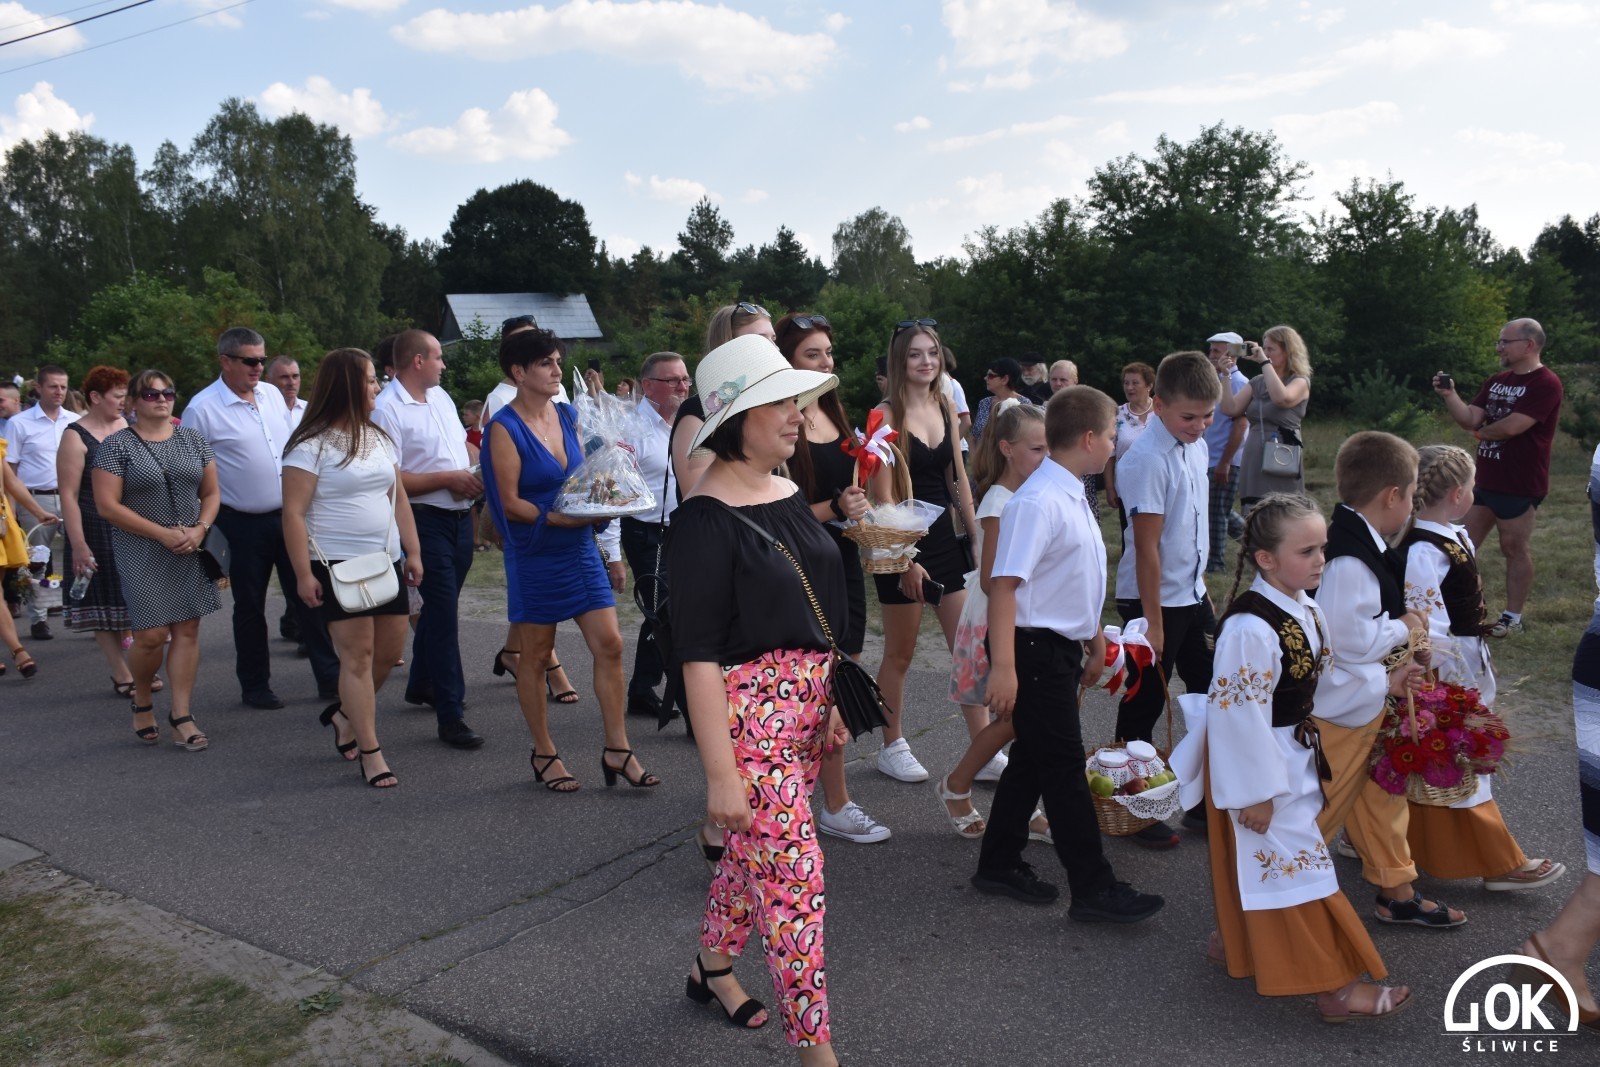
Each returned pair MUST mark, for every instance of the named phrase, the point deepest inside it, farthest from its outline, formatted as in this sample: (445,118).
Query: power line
(58,14)
(77,22)
(129,37)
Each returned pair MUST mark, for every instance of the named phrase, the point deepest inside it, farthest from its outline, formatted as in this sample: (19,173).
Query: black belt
(236,511)
(44,492)
(460,512)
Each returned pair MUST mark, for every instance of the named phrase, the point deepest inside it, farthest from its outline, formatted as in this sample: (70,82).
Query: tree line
(258,222)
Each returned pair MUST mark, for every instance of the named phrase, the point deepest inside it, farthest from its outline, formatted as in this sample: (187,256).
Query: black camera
(1443,381)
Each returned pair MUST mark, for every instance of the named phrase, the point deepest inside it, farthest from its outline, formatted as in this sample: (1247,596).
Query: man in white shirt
(32,438)
(243,419)
(423,422)
(284,372)
(10,403)
(1224,451)
(664,384)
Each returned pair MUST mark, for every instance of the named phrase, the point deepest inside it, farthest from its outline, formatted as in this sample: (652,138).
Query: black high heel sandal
(149,735)
(646,780)
(377,780)
(195,742)
(699,991)
(500,669)
(555,785)
(570,696)
(326,719)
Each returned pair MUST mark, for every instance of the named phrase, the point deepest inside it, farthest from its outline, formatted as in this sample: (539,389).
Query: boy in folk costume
(1363,594)
(1280,914)
(1469,839)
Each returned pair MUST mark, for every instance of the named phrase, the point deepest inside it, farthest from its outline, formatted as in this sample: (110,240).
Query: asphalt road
(557,929)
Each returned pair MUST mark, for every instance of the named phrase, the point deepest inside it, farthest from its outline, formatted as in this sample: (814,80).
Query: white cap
(1228,336)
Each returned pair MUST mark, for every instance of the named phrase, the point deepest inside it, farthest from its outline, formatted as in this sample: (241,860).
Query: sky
(953,115)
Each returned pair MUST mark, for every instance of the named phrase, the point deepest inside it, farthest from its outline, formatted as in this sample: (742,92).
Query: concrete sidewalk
(557,929)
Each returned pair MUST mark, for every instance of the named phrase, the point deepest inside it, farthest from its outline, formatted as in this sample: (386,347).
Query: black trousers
(256,549)
(1047,761)
(1189,635)
(641,542)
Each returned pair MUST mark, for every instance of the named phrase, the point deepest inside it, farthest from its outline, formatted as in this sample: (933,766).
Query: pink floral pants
(771,874)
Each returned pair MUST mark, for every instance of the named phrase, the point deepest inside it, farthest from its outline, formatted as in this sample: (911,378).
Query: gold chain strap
(827,632)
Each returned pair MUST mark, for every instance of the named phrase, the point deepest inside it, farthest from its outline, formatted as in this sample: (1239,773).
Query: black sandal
(149,735)
(699,991)
(646,780)
(555,785)
(195,742)
(377,780)
(326,719)
(25,663)
(1410,912)
(500,668)
(122,689)
(570,696)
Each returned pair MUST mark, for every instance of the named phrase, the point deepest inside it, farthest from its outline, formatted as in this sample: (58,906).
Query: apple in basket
(1136,786)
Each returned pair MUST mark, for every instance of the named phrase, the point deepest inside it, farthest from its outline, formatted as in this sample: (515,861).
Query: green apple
(1101,786)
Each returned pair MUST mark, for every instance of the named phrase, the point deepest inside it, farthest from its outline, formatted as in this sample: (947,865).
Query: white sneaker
(993,769)
(897,762)
(850,823)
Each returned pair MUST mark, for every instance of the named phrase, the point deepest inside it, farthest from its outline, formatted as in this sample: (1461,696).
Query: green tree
(1577,248)
(412,290)
(781,272)
(702,256)
(149,322)
(863,324)
(873,251)
(518,238)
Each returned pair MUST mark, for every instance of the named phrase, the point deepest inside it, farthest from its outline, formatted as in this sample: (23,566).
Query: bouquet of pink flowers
(1433,744)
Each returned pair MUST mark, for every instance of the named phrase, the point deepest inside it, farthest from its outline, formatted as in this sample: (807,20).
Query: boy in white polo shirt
(1161,577)
(1047,588)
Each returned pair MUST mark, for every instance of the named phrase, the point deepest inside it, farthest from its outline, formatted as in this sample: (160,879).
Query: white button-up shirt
(1049,539)
(248,439)
(293,415)
(1162,476)
(32,439)
(429,435)
(652,451)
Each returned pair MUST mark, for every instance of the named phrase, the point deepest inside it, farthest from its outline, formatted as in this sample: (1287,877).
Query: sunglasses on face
(254,362)
(151,396)
(906,324)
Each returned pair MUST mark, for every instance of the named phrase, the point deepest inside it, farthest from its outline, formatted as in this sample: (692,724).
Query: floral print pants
(771,874)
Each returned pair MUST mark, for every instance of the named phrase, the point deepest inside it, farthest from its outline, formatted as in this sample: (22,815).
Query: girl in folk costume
(1281,916)
(1468,839)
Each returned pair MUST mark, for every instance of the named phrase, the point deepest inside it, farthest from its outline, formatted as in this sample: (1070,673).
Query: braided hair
(1440,469)
(1265,526)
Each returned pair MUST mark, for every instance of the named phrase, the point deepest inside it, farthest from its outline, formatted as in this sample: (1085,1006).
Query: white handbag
(363,583)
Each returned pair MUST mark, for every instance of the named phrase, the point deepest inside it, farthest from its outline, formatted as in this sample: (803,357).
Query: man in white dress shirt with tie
(423,422)
(244,420)
(32,439)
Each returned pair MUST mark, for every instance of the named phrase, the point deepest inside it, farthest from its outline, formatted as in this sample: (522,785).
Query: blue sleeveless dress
(553,573)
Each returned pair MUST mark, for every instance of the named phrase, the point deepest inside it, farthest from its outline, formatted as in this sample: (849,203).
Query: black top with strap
(1461,589)
(1349,535)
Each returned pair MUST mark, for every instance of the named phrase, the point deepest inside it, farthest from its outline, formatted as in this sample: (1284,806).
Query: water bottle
(80,586)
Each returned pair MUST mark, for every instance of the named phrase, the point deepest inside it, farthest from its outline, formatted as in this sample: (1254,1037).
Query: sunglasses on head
(150,396)
(248,361)
(811,322)
(752,309)
(517,322)
(906,324)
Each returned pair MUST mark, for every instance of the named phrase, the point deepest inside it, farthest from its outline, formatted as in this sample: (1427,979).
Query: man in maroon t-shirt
(1514,419)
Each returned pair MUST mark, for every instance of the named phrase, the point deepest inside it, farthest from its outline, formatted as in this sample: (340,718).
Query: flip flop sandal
(1411,913)
(1386,1006)
(1531,875)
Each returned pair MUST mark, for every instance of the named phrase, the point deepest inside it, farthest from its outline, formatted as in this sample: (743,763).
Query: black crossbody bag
(215,557)
(855,692)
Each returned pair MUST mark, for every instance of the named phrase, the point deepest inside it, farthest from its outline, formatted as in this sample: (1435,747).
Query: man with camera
(1225,447)
(1514,417)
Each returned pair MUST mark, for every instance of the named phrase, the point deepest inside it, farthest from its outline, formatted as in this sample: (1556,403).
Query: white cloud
(1233,10)
(1014,34)
(1555,16)
(226,19)
(1112,133)
(720,48)
(1431,42)
(753,196)
(836,22)
(625,247)
(1524,162)
(992,201)
(524,128)
(1336,125)
(20,22)
(39,110)
(369,5)
(1520,144)
(671,190)
(1016,129)
(318,16)
(356,113)
(1230,89)
(1323,20)
(918,122)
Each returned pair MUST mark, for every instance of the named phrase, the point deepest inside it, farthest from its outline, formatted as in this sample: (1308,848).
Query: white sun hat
(1228,337)
(748,372)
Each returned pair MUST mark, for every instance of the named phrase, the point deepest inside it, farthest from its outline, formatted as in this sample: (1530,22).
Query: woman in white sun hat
(761,724)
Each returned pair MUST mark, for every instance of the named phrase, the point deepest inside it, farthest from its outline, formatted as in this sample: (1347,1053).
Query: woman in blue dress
(553,566)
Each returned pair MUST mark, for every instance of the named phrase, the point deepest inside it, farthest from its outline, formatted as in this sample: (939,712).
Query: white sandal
(970,825)
(1040,835)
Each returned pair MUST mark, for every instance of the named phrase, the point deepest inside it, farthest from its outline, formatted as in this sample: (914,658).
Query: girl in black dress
(826,476)
(918,408)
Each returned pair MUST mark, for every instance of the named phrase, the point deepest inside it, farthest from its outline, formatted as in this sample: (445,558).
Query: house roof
(566,315)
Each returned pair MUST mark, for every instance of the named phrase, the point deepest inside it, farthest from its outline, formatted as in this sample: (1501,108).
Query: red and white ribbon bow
(871,449)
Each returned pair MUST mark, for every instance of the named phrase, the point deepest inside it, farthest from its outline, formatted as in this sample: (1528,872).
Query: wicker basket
(869,536)
(1418,791)
(1116,820)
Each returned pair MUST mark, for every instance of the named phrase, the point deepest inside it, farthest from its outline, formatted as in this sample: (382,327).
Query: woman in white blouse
(1138,385)
(343,498)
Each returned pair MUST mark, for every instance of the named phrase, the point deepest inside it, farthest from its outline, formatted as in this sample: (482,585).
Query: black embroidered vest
(1298,668)
(1349,535)
(1461,589)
